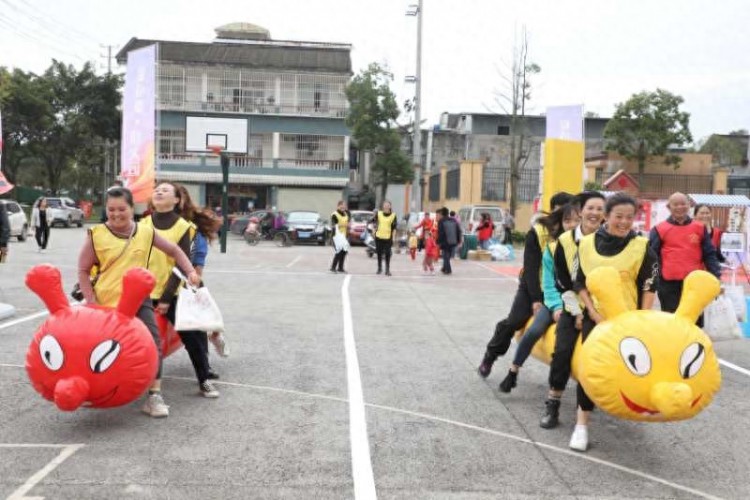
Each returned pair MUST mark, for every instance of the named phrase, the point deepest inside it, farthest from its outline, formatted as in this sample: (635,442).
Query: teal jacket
(552,296)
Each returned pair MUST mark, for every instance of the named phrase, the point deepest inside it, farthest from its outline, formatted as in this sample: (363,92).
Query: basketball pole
(224,200)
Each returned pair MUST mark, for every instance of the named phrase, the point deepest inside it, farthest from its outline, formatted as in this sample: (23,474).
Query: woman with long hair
(703,214)
(165,218)
(41,223)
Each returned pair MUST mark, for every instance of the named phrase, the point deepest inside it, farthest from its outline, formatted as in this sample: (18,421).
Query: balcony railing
(327,111)
(246,161)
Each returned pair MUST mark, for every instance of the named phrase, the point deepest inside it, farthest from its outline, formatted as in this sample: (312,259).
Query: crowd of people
(579,234)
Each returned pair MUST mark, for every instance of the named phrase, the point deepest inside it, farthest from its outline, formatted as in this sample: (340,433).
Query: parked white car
(19,224)
(64,211)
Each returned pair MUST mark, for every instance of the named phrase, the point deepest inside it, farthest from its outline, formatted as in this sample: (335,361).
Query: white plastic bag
(720,320)
(499,252)
(340,242)
(736,294)
(196,309)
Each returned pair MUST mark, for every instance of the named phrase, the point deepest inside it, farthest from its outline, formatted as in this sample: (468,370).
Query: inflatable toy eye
(51,353)
(635,355)
(104,355)
(692,359)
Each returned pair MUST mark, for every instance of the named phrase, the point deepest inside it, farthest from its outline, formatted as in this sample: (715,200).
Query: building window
(171,142)
(503,130)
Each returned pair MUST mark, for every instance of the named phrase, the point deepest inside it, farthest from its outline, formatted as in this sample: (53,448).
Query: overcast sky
(593,52)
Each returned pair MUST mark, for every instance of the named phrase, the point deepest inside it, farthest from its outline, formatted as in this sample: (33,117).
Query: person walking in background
(529,298)
(385,229)
(340,222)
(413,245)
(4,233)
(40,222)
(426,224)
(703,215)
(485,229)
(509,225)
(431,253)
(449,237)
(682,245)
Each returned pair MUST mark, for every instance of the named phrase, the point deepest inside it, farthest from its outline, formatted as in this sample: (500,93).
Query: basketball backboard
(203,132)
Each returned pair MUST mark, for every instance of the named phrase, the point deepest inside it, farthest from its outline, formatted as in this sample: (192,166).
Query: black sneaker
(486,366)
(333,271)
(380,271)
(387,272)
(509,382)
(551,417)
(212,375)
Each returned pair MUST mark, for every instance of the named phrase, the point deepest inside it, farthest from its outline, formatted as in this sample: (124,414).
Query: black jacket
(4,227)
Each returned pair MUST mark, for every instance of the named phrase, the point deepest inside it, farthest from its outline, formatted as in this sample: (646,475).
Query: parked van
(471,215)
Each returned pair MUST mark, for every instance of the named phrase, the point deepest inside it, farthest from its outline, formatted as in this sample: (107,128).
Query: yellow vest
(343,223)
(568,242)
(107,247)
(542,235)
(628,263)
(160,263)
(385,222)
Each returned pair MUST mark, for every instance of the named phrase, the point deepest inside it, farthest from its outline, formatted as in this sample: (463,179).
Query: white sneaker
(208,390)
(579,441)
(155,406)
(217,339)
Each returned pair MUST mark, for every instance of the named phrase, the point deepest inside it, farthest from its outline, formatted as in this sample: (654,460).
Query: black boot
(486,366)
(509,382)
(550,419)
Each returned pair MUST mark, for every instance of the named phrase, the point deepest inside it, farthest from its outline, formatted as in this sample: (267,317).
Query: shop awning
(720,200)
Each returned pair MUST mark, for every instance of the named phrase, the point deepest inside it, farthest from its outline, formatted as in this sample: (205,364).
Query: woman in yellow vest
(528,299)
(340,223)
(166,220)
(116,246)
(615,245)
(569,325)
(385,229)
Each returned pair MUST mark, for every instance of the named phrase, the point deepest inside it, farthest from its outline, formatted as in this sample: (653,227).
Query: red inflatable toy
(91,355)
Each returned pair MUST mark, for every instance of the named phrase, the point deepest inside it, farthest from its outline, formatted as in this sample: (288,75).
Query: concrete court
(281,426)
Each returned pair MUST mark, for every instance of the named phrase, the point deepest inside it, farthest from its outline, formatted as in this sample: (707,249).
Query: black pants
(146,315)
(584,402)
(196,345)
(566,336)
(338,260)
(383,249)
(42,236)
(520,312)
(669,293)
(447,256)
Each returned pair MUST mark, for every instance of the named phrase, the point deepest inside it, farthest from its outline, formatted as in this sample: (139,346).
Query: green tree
(726,150)
(372,119)
(646,125)
(57,120)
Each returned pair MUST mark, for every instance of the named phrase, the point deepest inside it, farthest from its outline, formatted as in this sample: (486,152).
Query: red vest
(681,249)
(485,233)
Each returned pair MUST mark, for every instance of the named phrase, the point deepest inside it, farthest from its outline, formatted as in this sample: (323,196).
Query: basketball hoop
(216,149)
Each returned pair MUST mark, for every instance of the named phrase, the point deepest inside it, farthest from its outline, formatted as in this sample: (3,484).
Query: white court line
(475,428)
(734,367)
(296,259)
(66,452)
(23,319)
(364,481)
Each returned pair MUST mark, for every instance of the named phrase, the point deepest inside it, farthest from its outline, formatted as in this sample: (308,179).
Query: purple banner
(565,122)
(139,123)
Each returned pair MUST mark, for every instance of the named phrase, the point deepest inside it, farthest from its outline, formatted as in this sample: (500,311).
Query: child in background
(431,253)
(413,243)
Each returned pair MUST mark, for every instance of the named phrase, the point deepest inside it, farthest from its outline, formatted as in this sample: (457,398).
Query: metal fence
(434,187)
(496,182)
(452,184)
(663,185)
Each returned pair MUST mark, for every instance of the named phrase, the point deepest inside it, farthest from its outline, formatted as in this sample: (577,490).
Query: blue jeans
(542,320)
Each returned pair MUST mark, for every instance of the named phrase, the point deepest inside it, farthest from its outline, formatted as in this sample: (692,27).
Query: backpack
(451,232)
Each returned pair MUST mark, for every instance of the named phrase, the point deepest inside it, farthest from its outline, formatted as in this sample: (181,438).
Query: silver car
(64,211)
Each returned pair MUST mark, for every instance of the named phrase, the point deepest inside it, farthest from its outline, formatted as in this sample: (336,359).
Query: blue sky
(591,52)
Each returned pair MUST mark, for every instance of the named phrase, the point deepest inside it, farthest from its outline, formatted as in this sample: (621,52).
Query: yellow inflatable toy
(645,365)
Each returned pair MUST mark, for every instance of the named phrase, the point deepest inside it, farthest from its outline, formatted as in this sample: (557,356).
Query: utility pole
(416,203)
(108,56)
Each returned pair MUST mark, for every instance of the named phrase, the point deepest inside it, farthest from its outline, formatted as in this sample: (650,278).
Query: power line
(108,57)
(52,25)
(14,28)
